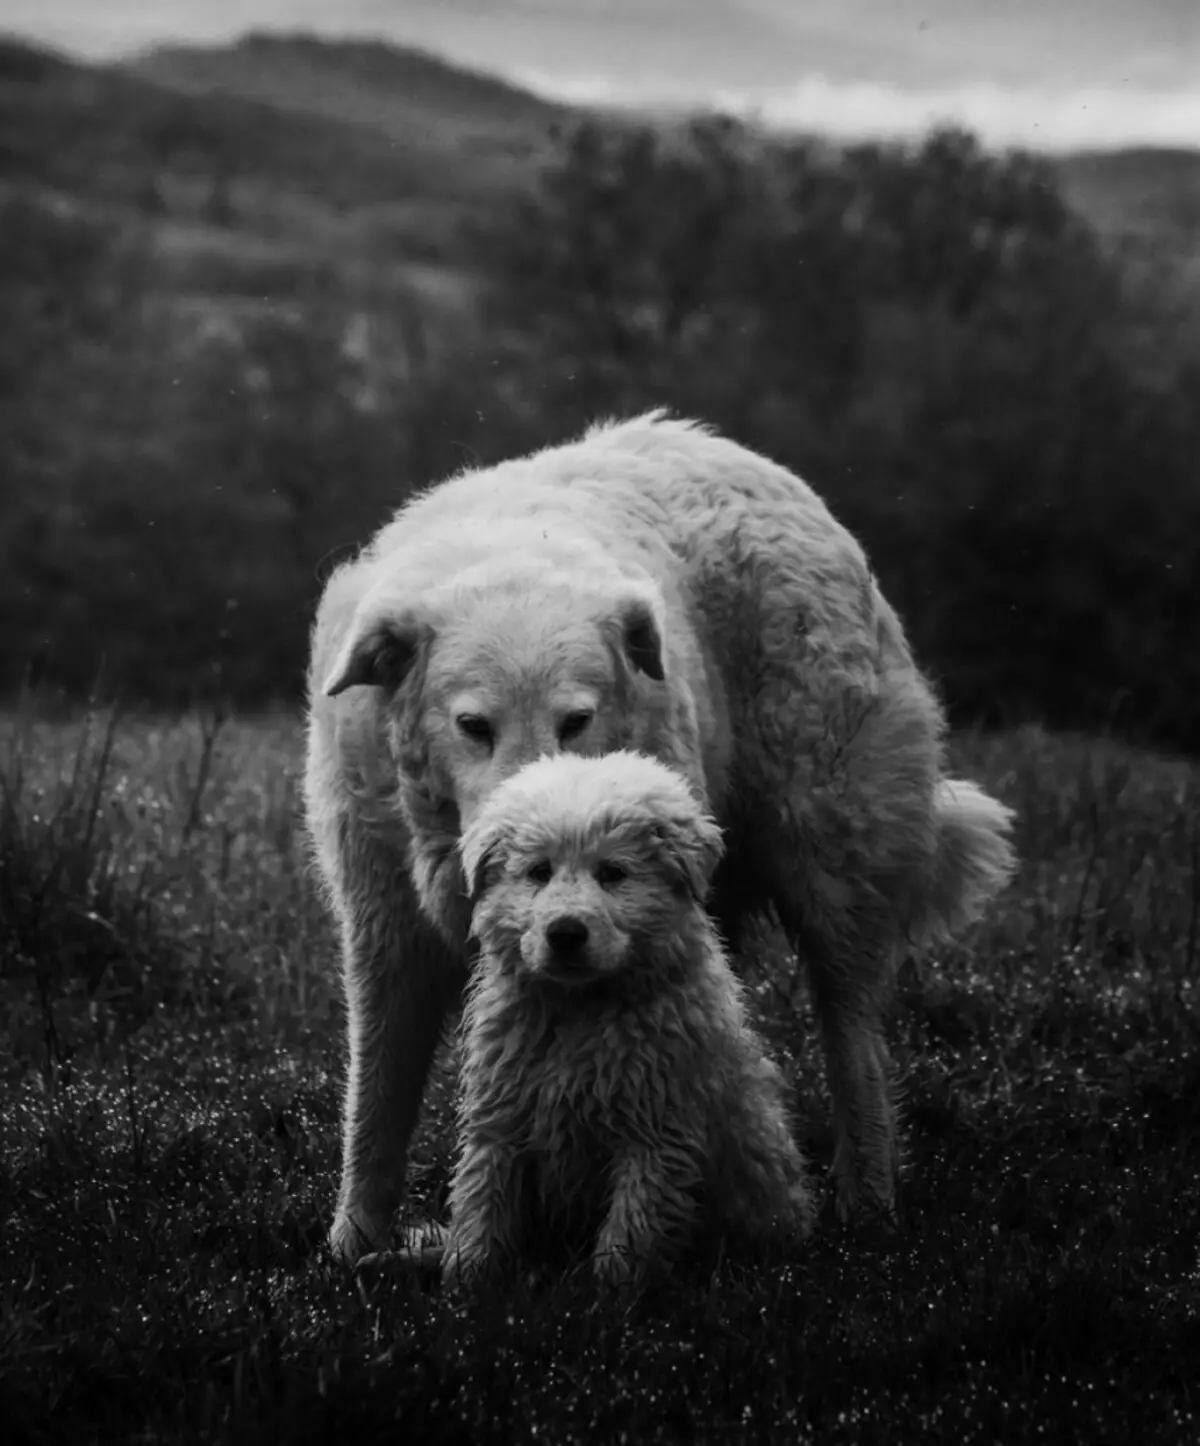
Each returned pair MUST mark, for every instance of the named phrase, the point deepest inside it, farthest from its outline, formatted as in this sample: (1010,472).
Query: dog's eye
(573,725)
(540,872)
(475,726)
(608,874)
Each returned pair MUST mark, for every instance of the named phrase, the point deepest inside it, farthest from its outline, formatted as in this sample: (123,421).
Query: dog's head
(575,865)
(504,661)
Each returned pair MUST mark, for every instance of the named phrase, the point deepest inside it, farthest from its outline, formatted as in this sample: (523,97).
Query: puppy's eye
(475,726)
(609,875)
(540,873)
(573,725)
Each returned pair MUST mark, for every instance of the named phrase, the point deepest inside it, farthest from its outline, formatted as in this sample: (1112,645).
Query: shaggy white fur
(653,587)
(613,1093)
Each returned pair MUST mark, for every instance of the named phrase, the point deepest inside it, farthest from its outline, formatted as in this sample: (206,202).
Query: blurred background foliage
(237,331)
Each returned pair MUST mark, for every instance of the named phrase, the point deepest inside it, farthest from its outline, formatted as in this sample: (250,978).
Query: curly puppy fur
(612,1090)
(654,587)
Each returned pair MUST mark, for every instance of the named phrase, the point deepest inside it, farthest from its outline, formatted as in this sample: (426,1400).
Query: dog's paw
(865,1211)
(351,1238)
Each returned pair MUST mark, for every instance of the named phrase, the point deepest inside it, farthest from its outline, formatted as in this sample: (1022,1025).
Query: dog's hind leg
(853,844)
(851,982)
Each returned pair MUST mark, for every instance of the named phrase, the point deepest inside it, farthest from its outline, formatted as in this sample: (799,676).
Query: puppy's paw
(422,1244)
(615,1267)
(800,1217)
(418,1237)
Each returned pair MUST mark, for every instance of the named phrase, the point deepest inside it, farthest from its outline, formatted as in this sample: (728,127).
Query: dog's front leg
(484,1211)
(653,1212)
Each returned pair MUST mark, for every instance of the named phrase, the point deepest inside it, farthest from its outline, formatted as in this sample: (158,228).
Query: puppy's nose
(566,934)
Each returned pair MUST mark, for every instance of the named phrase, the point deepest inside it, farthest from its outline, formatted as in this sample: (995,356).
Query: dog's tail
(975,858)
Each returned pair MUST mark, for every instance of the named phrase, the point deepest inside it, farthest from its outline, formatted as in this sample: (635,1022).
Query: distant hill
(102,131)
(352,123)
(244,196)
(1137,191)
(411,97)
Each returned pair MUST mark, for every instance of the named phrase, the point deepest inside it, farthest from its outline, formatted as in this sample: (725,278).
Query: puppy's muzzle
(567,937)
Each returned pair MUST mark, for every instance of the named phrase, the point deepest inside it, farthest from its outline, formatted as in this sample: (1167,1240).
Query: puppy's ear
(379,652)
(637,621)
(482,852)
(691,848)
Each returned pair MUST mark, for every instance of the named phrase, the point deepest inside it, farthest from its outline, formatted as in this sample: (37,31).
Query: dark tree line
(928,334)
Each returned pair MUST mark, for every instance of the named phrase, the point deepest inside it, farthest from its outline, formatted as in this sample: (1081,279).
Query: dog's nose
(566,934)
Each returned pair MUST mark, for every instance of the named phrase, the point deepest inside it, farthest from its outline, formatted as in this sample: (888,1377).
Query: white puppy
(614,1095)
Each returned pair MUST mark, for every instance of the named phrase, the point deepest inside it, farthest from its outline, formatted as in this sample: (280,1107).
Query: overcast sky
(1040,72)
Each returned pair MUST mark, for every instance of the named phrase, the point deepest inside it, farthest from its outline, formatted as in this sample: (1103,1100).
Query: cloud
(1039,118)
(1055,119)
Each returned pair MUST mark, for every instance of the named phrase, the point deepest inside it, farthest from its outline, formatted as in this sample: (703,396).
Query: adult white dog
(614,1096)
(654,587)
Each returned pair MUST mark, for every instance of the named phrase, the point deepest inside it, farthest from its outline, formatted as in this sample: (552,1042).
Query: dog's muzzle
(567,935)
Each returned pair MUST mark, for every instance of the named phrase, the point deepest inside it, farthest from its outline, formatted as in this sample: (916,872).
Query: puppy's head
(576,865)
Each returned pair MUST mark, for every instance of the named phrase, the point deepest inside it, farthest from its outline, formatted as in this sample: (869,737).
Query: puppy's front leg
(654,1209)
(484,1211)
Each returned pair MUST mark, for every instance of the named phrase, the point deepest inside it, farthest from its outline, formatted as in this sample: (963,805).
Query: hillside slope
(234,194)
(102,132)
(1137,191)
(414,99)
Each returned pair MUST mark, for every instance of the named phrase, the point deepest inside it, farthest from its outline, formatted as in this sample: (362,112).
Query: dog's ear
(379,652)
(691,847)
(637,620)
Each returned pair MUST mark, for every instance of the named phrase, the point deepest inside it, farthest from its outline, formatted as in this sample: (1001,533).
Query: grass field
(168,1147)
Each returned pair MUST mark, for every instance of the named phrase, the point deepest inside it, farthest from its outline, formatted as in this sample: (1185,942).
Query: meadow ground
(170,1063)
